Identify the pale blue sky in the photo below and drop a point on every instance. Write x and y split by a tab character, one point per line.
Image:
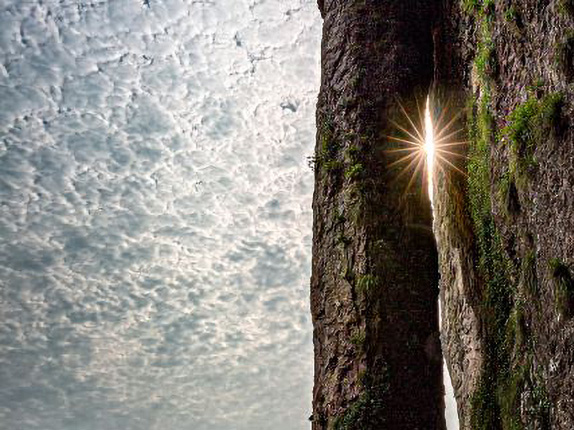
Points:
155	224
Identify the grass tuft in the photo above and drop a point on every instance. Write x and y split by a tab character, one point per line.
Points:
367	283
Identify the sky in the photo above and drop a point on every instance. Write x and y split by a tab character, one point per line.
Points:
155	213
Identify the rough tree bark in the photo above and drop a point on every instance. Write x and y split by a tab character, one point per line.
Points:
374	285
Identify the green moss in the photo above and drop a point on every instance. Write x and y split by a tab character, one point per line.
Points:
353	152
511	15
528	125
346	271
332	165
367	283
550	112
520	130
496	403
367	410
542	404
480	131
470	6
485	60
564	293
354	171
508	193
358	339
485	411
327	154
516	330
521	133
338	217
509	397
493	265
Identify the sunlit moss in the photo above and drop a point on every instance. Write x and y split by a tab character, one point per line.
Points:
530	124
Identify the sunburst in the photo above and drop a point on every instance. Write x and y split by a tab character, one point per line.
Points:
432	144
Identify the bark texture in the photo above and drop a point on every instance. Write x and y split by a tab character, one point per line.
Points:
503	71
374	286
506	231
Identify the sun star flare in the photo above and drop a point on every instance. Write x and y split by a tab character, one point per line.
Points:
426	146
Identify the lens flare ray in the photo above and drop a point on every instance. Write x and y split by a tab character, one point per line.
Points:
428	146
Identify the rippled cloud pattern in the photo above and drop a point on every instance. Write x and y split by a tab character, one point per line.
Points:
155	215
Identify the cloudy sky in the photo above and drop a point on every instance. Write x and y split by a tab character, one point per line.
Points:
155	213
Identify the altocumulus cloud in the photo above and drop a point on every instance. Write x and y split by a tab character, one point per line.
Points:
155	213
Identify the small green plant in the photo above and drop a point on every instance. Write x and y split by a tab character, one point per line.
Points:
332	165
358	339
536	86
367	283
521	128
353	152
470	6
564	284
354	171
511	15
327	153
485	61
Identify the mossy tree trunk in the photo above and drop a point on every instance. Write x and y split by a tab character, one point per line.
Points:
374	286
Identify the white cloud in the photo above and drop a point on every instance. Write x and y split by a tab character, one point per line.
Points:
155	219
